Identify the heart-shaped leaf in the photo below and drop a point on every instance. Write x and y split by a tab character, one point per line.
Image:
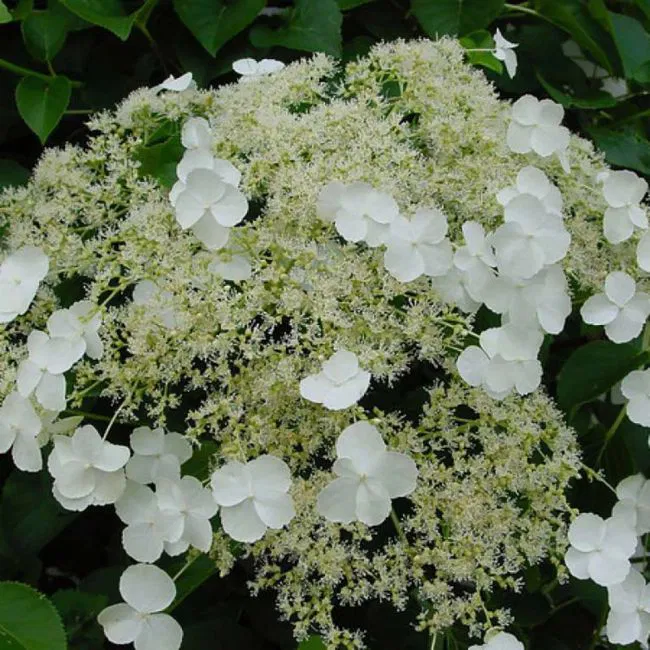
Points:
42	103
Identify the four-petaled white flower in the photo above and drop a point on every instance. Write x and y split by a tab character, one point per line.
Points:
506	360
359	212
600	549
156	455
42	372
340	384
147	591
370	476
633	505
87	470
177	84
148	294
621	309
208	205
418	246
19	429
250	69
475	259
504	51
623	190
253	497
149	526
533	181
20	276
536	126
73	332
454	287
499	641
541	301
195	506
636	388
197	134
531	238
629	616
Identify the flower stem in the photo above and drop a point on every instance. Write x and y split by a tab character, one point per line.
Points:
597	477
114	418
610	433
398	527
523	9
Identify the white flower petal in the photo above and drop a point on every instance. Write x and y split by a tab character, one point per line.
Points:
397	473
231	484
362	444
121	623
578	563
142	542
242	522
159	632
147	588
599	310
337	502
275	509
268	475
472	364
373	502
586	532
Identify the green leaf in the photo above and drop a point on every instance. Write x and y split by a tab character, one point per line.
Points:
200	464
346	5
201	568
79	611
644	5
481	39
109	14
593	369
160	160
44	33
42	103
313	643
5	16
592	99
30	515
215	22
11	173
313	26
28	620
633	43
455	17
572	16
624	147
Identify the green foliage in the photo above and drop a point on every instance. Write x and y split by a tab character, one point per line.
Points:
11	173
28	621
41	103
160	160
455	17
44	33
109	14
481	40
313	26
79	610
215	23
633	43
593	369
5	16
312	643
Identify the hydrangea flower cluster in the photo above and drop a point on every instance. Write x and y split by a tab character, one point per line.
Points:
321	243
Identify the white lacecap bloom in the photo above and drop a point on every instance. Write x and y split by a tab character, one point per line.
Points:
629	616
633	505
504	51
19	429
369	477
148	525
340	384
156	455
636	389
475	259
42	372
541	301
253	497
418	246
621	309
177	84
531	238
536	126
533	181
623	190
147	591
74	332
148	294
359	212
499	641
506	361
232	267
454	288
87	470
600	549
250	69
207	204
197	134
20	276
195	505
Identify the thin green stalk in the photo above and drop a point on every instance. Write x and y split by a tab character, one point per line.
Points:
28	72
525	10
610	433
